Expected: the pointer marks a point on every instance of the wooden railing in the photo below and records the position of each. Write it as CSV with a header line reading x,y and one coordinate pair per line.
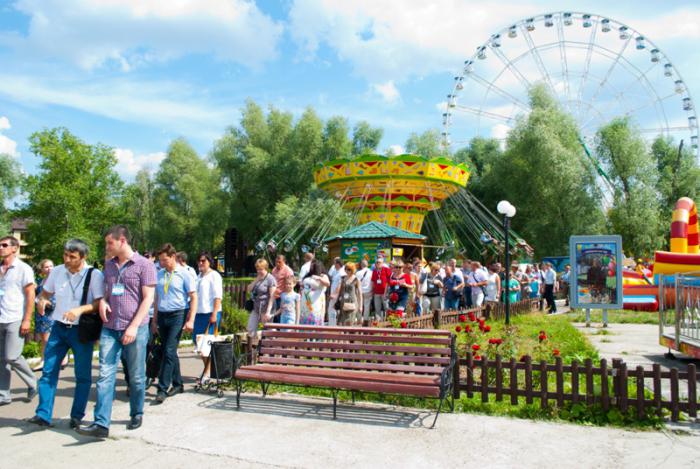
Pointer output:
x,y
608,386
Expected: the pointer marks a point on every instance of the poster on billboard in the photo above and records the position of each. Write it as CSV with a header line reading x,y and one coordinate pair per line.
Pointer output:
x,y
355,251
596,268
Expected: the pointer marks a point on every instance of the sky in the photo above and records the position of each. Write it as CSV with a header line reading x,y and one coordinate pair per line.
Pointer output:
x,y
136,74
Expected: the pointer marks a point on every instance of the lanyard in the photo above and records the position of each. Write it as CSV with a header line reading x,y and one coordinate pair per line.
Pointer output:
x,y
121,271
70,282
168,279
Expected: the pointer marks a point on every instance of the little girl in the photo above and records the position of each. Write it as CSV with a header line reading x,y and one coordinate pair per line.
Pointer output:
x,y
290,303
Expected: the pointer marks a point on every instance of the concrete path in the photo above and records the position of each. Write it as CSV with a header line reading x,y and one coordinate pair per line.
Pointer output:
x,y
201,430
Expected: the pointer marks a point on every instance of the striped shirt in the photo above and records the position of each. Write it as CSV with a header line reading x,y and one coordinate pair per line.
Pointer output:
x,y
136,273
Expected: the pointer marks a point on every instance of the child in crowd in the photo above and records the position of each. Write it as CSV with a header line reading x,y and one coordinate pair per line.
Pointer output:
x,y
290,303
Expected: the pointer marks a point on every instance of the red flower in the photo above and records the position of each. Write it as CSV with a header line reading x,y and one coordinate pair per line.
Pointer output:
x,y
495,341
482,320
404,324
458,329
477,357
487,328
555,352
462,318
467,329
542,336
475,347
394,297
472,316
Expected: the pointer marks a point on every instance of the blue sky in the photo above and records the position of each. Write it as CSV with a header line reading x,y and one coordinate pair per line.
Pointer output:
x,y
135,74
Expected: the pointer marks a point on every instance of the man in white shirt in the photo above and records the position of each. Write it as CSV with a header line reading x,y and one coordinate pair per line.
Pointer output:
x,y
365,277
477,280
550,281
16,307
67,283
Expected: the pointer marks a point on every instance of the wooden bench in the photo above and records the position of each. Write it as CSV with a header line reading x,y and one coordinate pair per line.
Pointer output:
x,y
412,362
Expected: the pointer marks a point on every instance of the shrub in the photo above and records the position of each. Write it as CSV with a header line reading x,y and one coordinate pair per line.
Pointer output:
x,y
31,349
233,319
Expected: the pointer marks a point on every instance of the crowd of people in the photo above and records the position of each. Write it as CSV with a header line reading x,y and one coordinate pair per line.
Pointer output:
x,y
350,293
138,297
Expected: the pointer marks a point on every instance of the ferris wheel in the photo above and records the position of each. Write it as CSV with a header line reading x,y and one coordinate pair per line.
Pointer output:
x,y
596,67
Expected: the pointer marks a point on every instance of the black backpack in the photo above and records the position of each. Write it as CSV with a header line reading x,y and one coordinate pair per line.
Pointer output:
x,y
154,357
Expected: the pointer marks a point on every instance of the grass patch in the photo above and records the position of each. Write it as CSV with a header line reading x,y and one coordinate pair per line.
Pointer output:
x,y
602,332
624,316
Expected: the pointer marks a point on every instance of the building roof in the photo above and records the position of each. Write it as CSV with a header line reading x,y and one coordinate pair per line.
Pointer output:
x,y
20,224
374,230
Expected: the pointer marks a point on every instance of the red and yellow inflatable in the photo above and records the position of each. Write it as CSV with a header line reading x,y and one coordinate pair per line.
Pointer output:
x,y
685,251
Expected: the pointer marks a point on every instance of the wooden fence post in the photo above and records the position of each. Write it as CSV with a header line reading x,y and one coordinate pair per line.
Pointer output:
x,y
604,391
692,391
528,379
574,382
675,405
513,382
499,379
470,374
640,392
455,375
656,369
589,381
484,379
544,398
623,387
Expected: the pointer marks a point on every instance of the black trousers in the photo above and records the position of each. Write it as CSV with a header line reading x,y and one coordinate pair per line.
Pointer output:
x,y
549,297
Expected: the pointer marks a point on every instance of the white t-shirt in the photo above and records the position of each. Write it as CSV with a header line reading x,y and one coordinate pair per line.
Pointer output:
x,y
209,288
335,281
68,289
303,272
12,284
365,276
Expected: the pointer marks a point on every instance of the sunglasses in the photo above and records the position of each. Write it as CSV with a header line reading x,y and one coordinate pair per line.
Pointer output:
x,y
5,245
202,260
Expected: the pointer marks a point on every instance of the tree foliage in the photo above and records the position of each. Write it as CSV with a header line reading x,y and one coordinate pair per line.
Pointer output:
x,y
678,175
75,194
426,144
635,213
11,179
365,138
542,173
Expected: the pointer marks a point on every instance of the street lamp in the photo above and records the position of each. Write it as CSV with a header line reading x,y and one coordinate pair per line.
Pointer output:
x,y
506,209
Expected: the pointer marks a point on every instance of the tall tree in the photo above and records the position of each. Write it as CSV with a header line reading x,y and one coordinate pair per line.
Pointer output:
x,y
679,174
11,179
479,156
635,211
365,138
186,200
336,143
543,174
75,193
139,214
426,144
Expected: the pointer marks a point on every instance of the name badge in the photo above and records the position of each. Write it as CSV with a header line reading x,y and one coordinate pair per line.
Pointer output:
x,y
118,289
379,281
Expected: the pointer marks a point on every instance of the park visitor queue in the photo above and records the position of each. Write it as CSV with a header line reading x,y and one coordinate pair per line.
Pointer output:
x,y
77,307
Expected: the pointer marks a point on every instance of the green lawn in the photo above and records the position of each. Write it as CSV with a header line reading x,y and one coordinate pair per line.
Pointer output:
x,y
623,316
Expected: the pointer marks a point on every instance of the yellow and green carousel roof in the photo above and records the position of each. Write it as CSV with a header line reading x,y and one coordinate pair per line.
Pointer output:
x,y
396,190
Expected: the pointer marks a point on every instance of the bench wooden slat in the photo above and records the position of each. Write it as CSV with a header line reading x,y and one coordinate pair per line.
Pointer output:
x,y
268,333
398,378
355,356
333,383
428,370
363,330
290,343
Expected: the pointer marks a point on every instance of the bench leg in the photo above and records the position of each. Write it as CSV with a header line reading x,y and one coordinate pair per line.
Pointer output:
x,y
353,397
264,388
437,414
239,386
335,402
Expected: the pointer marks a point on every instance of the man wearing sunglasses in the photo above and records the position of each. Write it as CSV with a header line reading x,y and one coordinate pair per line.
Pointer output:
x,y
16,308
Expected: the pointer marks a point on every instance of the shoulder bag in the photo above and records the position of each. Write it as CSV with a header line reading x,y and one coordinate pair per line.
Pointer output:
x,y
89,325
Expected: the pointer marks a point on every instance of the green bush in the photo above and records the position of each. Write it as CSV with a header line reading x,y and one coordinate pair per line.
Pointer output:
x,y
233,319
31,349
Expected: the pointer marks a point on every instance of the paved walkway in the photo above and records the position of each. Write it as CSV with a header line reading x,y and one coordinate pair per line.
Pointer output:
x,y
292,431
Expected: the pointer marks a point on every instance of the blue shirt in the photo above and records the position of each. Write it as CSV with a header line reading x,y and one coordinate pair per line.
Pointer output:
x,y
450,283
179,285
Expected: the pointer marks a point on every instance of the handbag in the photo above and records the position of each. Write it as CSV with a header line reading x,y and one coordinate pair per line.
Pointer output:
x,y
89,325
249,304
204,341
154,357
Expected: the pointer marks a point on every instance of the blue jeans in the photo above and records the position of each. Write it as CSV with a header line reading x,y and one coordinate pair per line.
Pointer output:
x,y
111,349
170,329
61,339
451,303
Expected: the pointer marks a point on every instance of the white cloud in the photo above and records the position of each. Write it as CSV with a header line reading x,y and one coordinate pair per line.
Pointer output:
x,y
387,91
130,164
395,150
7,145
129,33
175,107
